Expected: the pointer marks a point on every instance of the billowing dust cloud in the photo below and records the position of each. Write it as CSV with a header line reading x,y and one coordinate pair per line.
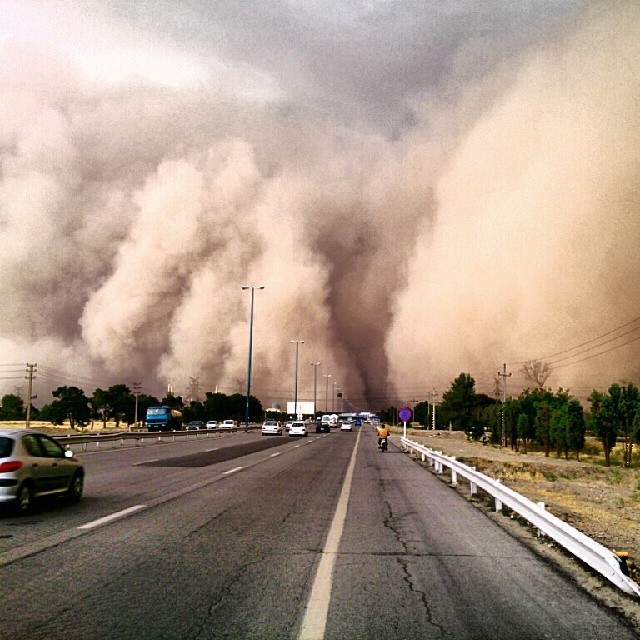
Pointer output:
x,y
493,219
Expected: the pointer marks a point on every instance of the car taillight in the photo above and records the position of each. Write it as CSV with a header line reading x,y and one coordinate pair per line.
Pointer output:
x,y
12,465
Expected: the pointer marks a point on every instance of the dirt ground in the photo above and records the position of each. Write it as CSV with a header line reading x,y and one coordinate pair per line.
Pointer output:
x,y
603,503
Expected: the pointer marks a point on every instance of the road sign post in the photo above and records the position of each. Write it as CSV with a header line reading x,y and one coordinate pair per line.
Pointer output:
x,y
405,415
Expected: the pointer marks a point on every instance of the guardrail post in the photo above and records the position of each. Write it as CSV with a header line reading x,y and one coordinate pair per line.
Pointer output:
x,y
474,486
454,478
541,505
84,446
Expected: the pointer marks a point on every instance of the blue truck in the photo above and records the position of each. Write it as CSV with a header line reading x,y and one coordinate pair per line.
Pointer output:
x,y
163,419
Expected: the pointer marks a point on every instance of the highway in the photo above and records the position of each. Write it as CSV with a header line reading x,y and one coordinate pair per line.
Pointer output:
x,y
242,536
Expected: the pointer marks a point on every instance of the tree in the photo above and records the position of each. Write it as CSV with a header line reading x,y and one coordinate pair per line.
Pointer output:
x,y
522,427
100,407
12,408
73,403
575,427
458,403
604,410
558,431
122,403
477,427
543,425
421,413
536,372
629,406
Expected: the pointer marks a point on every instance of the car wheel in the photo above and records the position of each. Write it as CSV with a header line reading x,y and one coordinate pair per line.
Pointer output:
x,y
24,499
74,493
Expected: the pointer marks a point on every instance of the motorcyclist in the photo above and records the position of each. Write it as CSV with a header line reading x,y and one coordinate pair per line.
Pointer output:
x,y
383,432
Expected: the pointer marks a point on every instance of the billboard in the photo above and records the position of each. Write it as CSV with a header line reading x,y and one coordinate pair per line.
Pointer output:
x,y
304,408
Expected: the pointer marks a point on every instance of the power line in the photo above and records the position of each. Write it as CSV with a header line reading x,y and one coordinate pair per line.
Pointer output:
x,y
594,355
583,344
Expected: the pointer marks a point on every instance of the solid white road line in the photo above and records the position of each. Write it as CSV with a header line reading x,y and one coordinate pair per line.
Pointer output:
x,y
137,464
315,618
113,516
274,455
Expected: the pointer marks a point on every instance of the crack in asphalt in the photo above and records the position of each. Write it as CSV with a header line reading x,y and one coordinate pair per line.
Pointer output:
x,y
408,578
203,627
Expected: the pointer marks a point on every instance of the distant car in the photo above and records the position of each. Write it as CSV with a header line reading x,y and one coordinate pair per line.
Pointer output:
x,y
212,424
33,465
346,426
228,424
288,426
322,427
271,428
298,429
195,425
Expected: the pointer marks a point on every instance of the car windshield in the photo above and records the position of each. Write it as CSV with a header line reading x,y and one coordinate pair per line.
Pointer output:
x,y
6,447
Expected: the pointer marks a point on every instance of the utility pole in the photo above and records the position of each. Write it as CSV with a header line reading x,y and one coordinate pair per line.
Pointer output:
x,y
433,410
295,383
315,366
136,393
251,288
326,393
504,375
31,368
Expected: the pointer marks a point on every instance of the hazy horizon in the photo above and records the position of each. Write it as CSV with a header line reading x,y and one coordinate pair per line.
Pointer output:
x,y
423,189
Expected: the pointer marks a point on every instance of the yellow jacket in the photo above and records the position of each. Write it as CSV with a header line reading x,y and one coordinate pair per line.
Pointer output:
x,y
383,432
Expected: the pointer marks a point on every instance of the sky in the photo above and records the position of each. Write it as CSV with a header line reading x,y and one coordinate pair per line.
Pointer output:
x,y
422,188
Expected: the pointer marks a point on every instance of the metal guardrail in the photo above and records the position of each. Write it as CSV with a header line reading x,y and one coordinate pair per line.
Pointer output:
x,y
592,553
140,437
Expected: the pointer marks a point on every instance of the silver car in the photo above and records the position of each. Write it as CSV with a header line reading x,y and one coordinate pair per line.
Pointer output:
x,y
33,465
298,429
271,427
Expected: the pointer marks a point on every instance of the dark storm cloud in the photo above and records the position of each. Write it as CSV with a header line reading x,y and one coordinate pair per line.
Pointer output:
x,y
361,160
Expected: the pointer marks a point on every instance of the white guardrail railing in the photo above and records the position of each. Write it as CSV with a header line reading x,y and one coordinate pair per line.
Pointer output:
x,y
592,553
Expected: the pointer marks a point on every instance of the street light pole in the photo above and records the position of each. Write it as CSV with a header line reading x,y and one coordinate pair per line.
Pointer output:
x,y
333,398
326,393
315,366
246,412
295,386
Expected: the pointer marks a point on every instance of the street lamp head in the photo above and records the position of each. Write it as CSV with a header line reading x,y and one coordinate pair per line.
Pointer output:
x,y
248,286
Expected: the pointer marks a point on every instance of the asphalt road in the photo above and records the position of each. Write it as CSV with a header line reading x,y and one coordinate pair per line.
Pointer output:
x,y
316,537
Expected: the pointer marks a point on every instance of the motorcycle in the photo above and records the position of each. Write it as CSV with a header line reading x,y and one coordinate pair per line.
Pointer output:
x,y
383,444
